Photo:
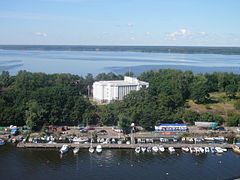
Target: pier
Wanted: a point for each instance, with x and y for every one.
(119, 146)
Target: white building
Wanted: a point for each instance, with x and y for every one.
(107, 91)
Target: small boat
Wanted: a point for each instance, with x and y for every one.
(224, 149)
(99, 148)
(161, 148)
(138, 149)
(2, 142)
(91, 149)
(197, 150)
(171, 149)
(149, 149)
(206, 149)
(185, 149)
(155, 149)
(236, 149)
(213, 150)
(64, 149)
(192, 150)
(80, 139)
(201, 149)
(143, 149)
(219, 149)
(76, 150)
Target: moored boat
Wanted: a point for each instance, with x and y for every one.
(143, 149)
(236, 149)
(138, 149)
(155, 149)
(91, 149)
(99, 148)
(171, 149)
(80, 139)
(192, 150)
(76, 150)
(161, 148)
(206, 149)
(213, 150)
(149, 149)
(2, 142)
(64, 149)
(185, 149)
(219, 149)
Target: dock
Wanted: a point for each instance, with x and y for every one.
(119, 146)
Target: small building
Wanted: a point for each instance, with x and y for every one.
(206, 125)
(107, 91)
(171, 128)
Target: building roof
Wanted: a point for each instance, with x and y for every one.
(171, 125)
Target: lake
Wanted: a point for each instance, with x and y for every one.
(95, 62)
(115, 164)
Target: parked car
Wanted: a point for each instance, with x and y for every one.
(116, 129)
(102, 132)
(91, 128)
(221, 128)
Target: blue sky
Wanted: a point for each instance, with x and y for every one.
(120, 22)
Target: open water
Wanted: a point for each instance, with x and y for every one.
(34, 164)
(95, 62)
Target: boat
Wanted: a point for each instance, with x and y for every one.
(99, 148)
(149, 149)
(206, 149)
(143, 149)
(219, 149)
(213, 150)
(185, 149)
(236, 149)
(161, 148)
(197, 150)
(155, 149)
(64, 149)
(171, 149)
(201, 149)
(138, 149)
(2, 142)
(76, 150)
(91, 149)
(79, 140)
(192, 150)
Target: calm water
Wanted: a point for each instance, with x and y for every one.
(115, 164)
(83, 62)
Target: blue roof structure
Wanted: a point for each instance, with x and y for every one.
(171, 125)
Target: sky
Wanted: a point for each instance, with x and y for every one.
(120, 22)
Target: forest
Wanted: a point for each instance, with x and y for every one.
(37, 99)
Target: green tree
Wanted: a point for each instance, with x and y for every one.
(124, 123)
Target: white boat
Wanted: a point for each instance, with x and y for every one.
(224, 149)
(192, 150)
(76, 150)
(219, 149)
(64, 149)
(91, 149)
(99, 148)
(143, 149)
(201, 149)
(149, 149)
(185, 149)
(206, 149)
(171, 149)
(138, 149)
(161, 148)
(213, 150)
(155, 149)
(79, 139)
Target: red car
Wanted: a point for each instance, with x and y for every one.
(91, 128)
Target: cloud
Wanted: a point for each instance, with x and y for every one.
(180, 33)
(130, 25)
(147, 33)
(203, 33)
(42, 34)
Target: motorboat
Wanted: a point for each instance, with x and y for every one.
(161, 148)
(76, 150)
(197, 150)
(213, 150)
(185, 149)
(155, 149)
(236, 149)
(79, 140)
(201, 149)
(138, 149)
(171, 149)
(149, 149)
(206, 149)
(64, 149)
(143, 149)
(192, 150)
(99, 148)
(219, 149)
(91, 149)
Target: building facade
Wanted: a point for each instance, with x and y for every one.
(107, 91)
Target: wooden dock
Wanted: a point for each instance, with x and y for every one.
(119, 146)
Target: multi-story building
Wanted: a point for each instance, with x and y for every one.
(107, 91)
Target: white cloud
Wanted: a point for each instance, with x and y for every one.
(180, 33)
(130, 25)
(147, 33)
(203, 33)
(40, 34)
(132, 38)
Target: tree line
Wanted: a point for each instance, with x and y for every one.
(38, 99)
